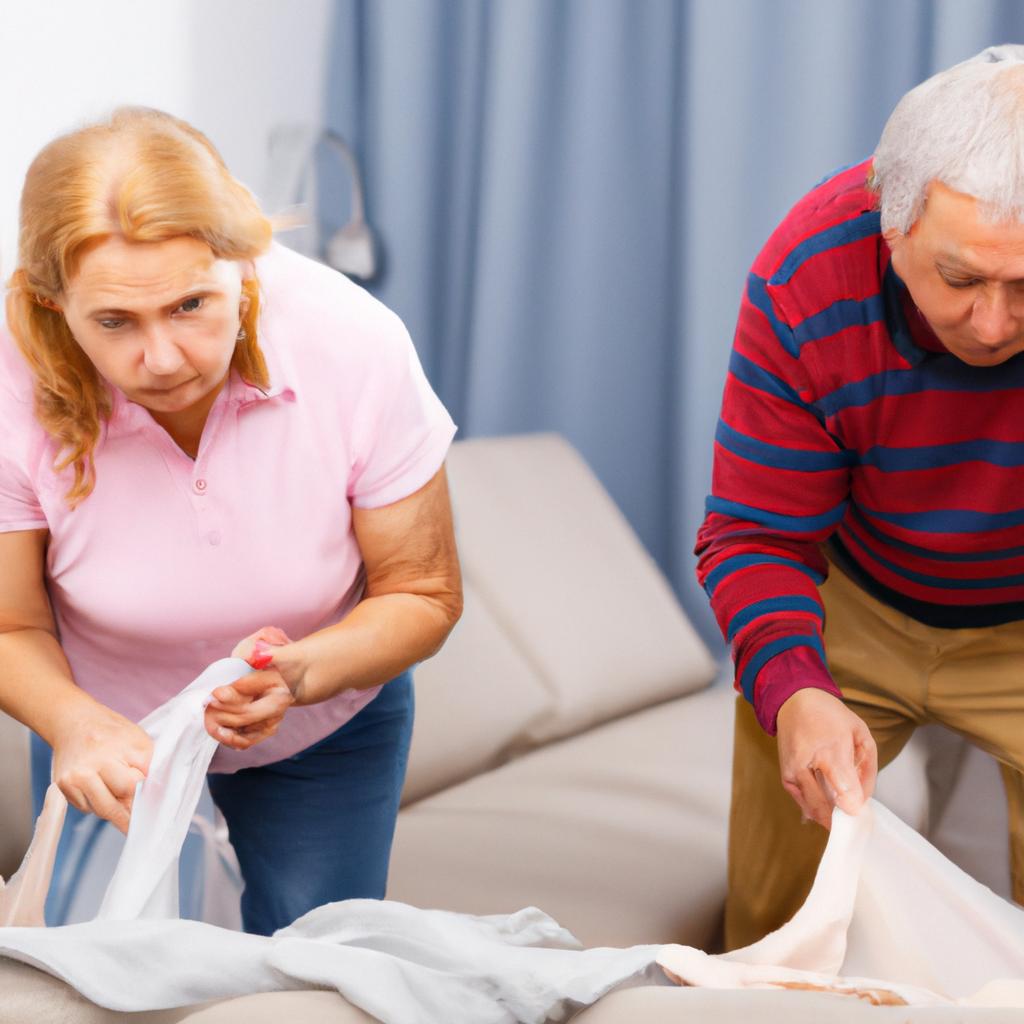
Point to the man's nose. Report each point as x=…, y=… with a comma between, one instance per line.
x=160, y=354
x=994, y=321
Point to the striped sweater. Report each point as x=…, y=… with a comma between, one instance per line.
x=845, y=421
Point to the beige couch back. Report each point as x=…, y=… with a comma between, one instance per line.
x=15, y=794
x=568, y=622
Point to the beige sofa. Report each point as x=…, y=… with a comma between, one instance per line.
x=571, y=752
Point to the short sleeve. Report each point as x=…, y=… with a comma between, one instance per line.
x=19, y=504
x=401, y=431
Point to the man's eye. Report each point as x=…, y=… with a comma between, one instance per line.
x=191, y=305
x=959, y=282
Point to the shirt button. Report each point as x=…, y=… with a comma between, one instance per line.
x=200, y=485
x=214, y=538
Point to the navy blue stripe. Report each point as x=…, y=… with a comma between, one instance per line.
x=899, y=331
x=943, y=373
x=777, y=521
x=790, y=603
x=866, y=224
x=777, y=457
x=757, y=292
x=935, y=456
x=951, y=520
x=838, y=317
x=766, y=653
x=864, y=392
x=737, y=562
x=940, y=582
x=995, y=555
x=746, y=371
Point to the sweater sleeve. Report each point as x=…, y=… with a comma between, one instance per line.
x=780, y=487
x=781, y=677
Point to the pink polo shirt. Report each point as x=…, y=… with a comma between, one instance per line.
x=170, y=561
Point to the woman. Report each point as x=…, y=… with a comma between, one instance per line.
x=202, y=433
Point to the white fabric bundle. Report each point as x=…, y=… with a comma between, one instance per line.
x=399, y=964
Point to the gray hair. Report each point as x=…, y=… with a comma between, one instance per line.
x=963, y=127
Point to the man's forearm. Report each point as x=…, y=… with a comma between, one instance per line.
x=36, y=685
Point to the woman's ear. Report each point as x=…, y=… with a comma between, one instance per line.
x=244, y=300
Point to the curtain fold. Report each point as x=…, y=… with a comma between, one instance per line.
x=569, y=194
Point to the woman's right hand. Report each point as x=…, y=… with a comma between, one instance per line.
x=99, y=757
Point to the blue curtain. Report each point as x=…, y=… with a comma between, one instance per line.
x=569, y=194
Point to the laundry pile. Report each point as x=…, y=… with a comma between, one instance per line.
x=889, y=919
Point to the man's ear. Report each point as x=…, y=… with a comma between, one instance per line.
x=897, y=240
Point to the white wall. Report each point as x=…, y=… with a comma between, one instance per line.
x=233, y=68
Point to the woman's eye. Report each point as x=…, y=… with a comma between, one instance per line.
x=191, y=305
x=111, y=325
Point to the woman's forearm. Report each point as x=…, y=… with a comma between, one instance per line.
x=412, y=600
x=36, y=685
x=380, y=638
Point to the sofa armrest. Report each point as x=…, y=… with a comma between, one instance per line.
x=15, y=794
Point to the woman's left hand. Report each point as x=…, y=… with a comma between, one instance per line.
x=250, y=709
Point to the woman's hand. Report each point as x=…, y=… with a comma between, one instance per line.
x=250, y=709
x=99, y=757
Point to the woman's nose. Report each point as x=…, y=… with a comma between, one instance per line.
x=161, y=355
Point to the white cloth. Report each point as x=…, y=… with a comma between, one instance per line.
x=887, y=912
x=399, y=964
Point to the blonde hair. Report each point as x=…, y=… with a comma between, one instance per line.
x=145, y=176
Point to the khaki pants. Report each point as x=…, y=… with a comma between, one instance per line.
x=896, y=673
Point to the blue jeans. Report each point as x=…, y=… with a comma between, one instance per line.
x=313, y=828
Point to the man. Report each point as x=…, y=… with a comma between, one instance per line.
x=863, y=547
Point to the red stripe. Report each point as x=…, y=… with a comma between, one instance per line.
x=787, y=492
x=932, y=418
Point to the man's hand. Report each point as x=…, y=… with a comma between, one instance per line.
x=99, y=757
x=826, y=755
x=250, y=709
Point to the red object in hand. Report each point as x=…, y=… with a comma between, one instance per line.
x=261, y=655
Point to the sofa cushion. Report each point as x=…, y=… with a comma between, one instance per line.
x=672, y=1005
x=281, y=1008
x=474, y=702
x=31, y=996
x=619, y=833
x=559, y=567
x=973, y=827
x=15, y=795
